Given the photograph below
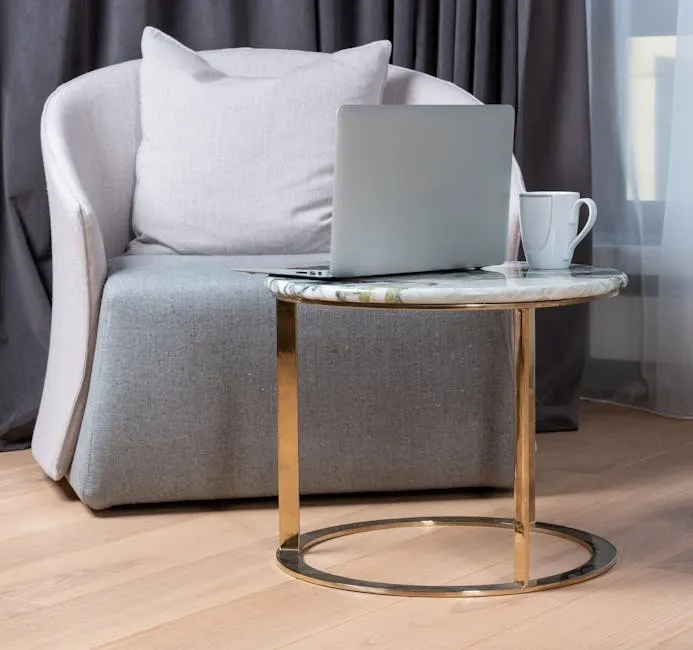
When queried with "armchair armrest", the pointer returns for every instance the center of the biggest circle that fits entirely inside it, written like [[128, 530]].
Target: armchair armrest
[[79, 270], [517, 185], [89, 136]]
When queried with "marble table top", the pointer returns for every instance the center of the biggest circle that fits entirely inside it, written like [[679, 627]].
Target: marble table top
[[507, 284]]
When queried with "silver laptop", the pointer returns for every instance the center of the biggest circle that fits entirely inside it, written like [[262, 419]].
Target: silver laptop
[[417, 189]]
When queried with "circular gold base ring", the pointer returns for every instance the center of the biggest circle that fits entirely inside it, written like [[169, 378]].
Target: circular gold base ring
[[291, 560]]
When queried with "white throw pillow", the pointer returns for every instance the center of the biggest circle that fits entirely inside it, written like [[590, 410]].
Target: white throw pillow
[[241, 165]]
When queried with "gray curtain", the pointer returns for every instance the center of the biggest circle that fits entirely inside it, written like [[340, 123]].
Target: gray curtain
[[528, 53], [553, 149]]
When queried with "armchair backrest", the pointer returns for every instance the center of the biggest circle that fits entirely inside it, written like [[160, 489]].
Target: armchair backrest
[[91, 127]]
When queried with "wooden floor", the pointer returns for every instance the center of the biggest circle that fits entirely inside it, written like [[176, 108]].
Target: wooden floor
[[203, 576]]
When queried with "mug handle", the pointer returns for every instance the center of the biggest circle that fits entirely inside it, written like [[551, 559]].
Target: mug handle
[[591, 218]]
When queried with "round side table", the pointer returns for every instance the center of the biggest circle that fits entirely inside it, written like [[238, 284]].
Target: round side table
[[511, 286]]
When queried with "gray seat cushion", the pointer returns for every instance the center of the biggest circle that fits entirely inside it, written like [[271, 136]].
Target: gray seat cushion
[[181, 403]]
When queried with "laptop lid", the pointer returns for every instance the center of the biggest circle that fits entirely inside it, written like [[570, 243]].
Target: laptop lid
[[420, 188]]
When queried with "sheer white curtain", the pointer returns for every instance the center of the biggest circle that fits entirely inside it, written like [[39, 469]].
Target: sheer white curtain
[[641, 87]]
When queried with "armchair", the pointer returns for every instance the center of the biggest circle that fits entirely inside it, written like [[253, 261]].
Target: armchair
[[160, 377]]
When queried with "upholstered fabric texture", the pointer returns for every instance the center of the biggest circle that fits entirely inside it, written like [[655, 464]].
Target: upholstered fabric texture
[[182, 400], [232, 164], [90, 133]]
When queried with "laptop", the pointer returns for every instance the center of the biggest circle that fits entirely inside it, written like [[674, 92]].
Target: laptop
[[416, 189]]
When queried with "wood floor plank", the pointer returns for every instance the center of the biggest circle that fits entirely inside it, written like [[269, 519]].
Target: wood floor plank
[[416, 624], [644, 608], [195, 576], [12, 607], [681, 641]]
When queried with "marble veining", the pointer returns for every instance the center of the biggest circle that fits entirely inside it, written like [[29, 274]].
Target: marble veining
[[513, 282]]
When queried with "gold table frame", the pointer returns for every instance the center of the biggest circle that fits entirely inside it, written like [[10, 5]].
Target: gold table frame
[[293, 545]]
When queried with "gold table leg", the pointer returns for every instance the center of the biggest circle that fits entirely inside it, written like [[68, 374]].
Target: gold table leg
[[293, 546], [287, 426], [525, 427]]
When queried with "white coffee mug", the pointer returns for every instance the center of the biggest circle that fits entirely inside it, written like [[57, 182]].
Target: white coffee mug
[[549, 223]]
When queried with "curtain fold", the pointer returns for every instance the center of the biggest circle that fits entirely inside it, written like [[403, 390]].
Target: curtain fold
[[494, 48], [553, 150]]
